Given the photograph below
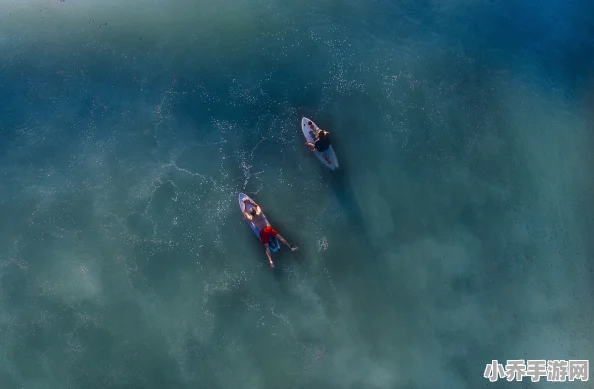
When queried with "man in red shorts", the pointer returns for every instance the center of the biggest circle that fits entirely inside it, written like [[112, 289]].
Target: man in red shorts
[[266, 230]]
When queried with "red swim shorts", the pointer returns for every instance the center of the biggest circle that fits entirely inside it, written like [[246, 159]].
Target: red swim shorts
[[267, 233]]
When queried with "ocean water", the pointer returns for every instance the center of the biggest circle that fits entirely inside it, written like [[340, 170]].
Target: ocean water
[[457, 231]]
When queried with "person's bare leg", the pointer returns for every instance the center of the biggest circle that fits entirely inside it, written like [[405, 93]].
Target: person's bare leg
[[268, 255], [279, 237]]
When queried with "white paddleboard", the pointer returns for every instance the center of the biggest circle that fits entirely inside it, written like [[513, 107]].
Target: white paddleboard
[[273, 244], [328, 157]]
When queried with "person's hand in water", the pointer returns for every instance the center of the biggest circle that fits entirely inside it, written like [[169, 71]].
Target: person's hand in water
[[293, 248]]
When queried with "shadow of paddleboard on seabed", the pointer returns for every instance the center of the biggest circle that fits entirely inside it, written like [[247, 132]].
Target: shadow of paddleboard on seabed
[[347, 199]]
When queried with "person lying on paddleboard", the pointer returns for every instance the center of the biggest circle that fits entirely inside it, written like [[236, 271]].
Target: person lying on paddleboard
[[322, 139], [266, 231]]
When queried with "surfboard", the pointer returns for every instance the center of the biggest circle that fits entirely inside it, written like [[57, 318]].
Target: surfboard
[[328, 157], [273, 244]]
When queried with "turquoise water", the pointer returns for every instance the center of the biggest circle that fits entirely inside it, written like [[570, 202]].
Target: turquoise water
[[457, 231]]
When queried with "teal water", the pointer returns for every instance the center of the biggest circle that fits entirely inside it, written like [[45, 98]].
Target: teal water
[[457, 231]]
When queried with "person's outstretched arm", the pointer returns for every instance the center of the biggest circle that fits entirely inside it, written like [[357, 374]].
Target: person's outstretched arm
[[247, 214], [258, 209]]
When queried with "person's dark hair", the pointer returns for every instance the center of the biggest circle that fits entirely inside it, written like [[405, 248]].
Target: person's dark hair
[[253, 211], [322, 134]]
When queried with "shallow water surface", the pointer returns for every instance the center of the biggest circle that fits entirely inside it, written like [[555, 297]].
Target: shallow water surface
[[457, 231]]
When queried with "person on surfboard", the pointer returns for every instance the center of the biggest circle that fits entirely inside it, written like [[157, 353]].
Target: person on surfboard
[[322, 142], [266, 231]]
